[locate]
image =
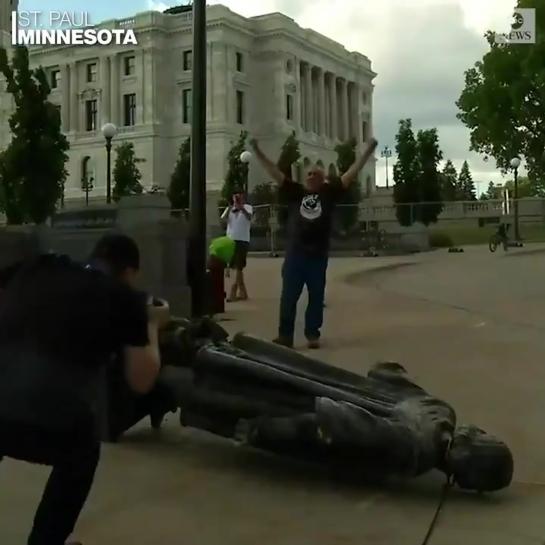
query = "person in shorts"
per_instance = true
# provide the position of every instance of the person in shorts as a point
(238, 217)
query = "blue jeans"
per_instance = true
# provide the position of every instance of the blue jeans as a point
(300, 270)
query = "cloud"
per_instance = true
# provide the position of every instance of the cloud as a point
(157, 5)
(419, 48)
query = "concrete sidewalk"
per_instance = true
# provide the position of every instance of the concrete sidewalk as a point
(444, 316)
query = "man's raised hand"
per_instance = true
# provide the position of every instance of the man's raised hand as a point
(372, 143)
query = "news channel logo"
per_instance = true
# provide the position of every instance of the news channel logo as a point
(523, 28)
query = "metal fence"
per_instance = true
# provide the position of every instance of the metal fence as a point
(370, 227)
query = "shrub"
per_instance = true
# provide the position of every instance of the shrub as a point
(440, 239)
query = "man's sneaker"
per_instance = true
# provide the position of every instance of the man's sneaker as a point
(313, 344)
(284, 341)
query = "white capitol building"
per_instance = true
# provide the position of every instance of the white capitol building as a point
(266, 75)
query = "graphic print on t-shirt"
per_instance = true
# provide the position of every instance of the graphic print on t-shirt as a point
(311, 207)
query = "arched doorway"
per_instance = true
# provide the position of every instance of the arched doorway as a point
(87, 176)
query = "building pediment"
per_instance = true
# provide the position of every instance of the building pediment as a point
(90, 94)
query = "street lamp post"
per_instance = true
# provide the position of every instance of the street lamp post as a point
(386, 153)
(245, 158)
(515, 164)
(109, 131)
(197, 218)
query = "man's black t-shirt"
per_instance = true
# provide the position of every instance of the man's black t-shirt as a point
(59, 325)
(310, 215)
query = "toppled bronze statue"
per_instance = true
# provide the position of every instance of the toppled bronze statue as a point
(275, 399)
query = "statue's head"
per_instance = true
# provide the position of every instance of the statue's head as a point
(478, 461)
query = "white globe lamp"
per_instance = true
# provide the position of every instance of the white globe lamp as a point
(515, 162)
(109, 130)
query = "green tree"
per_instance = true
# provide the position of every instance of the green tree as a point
(33, 169)
(525, 188)
(466, 184)
(126, 174)
(237, 173)
(429, 179)
(503, 102)
(182, 8)
(289, 155)
(262, 198)
(492, 193)
(179, 188)
(416, 177)
(348, 211)
(406, 173)
(449, 182)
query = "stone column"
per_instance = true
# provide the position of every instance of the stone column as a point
(74, 98)
(210, 82)
(321, 101)
(344, 110)
(309, 106)
(358, 112)
(105, 85)
(141, 100)
(148, 98)
(302, 96)
(114, 89)
(315, 101)
(298, 98)
(65, 99)
(334, 107)
(230, 103)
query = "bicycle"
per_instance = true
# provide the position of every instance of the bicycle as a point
(495, 241)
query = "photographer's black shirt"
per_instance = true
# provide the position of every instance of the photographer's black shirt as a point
(310, 216)
(59, 326)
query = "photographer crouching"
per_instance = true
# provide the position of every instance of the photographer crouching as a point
(60, 324)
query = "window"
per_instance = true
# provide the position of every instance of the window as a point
(91, 115)
(92, 72)
(289, 107)
(364, 130)
(58, 109)
(240, 107)
(188, 60)
(187, 105)
(240, 62)
(129, 104)
(55, 79)
(130, 66)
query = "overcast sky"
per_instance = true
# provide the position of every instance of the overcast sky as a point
(419, 48)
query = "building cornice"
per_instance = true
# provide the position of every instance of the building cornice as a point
(311, 48)
(220, 17)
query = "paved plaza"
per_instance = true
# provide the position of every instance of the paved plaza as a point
(469, 327)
